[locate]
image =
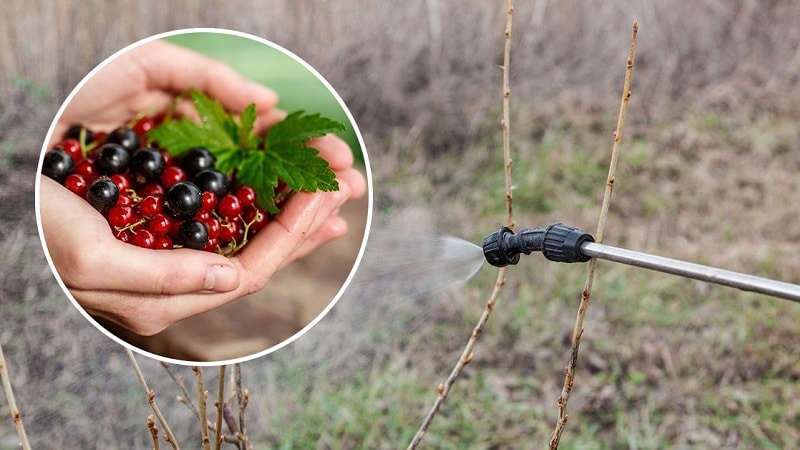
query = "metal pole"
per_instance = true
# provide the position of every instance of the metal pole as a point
(700, 272)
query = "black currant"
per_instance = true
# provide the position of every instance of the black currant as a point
(193, 234)
(125, 137)
(74, 132)
(183, 200)
(212, 180)
(196, 160)
(112, 159)
(102, 194)
(57, 165)
(147, 165)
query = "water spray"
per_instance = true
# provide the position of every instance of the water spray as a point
(563, 243)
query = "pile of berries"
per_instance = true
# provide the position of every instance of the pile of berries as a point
(151, 199)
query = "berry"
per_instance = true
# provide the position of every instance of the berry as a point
(120, 216)
(163, 243)
(57, 164)
(212, 180)
(72, 147)
(112, 159)
(146, 165)
(87, 169)
(150, 206)
(183, 200)
(74, 132)
(76, 183)
(256, 217)
(144, 239)
(196, 160)
(154, 189)
(123, 182)
(229, 207)
(102, 194)
(212, 224)
(209, 201)
(125, 137)
(193, 234)
(172, 175)
(143, 125)
(160, 224)
(246, 195)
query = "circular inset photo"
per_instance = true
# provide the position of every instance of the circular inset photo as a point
(204, 196)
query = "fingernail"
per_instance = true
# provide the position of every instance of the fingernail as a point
(221, 279)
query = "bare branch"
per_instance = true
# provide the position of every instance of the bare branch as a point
(220, 406)
(151, 398)
(12, 402)
(201, 400)
(577, 331)
(467, 354)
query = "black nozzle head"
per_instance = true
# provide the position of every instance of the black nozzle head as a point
(557, 242)
(497, 251)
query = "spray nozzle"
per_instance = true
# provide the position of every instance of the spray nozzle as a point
(557, 242)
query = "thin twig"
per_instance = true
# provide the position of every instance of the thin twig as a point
(219, 405)
(202, 394)
(242, 397)
(185, 397)
(467, 353)
(151, 398)
(466, 358)
(151, 425)
(12, 403)
(577, 331)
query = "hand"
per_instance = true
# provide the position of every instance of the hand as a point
(148, 290)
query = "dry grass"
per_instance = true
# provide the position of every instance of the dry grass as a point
(708, 174)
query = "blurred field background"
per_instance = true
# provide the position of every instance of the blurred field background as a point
(708, 173)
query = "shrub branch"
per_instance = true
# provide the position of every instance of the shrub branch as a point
(151, 398)
(467, 354)
(577, 331)
(12, 403)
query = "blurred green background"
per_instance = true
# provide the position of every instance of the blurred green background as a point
(298, 87)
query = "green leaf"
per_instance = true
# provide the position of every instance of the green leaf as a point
(285, 155)
(301, 168)
(178, 136)
(245, 136)
(256, 172)
(299, 127)
(213, 115)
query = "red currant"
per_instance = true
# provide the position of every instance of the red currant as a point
(124, 200)
(120, 216)
(143, 125)
(124, 236)
(150, 206)
(76, 183)
(156, 190)
(160, 224)
(229, 207)
(211, 245)
(229, 232)
(144, 239)
(123, 181)
(85, 168)
(209, 201)
(163, 243)
(256, 217)
(172, 175)
(246, 195)
(72, 147)
(213, 227)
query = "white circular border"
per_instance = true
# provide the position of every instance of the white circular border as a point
(369, 194)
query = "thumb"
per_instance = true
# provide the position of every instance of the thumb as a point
(123, 267)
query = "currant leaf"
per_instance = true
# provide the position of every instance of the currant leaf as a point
(300, 127)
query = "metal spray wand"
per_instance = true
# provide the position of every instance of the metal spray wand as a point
(563, 243)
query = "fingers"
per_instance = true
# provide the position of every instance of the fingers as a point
(302, 216)
(176, 69)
